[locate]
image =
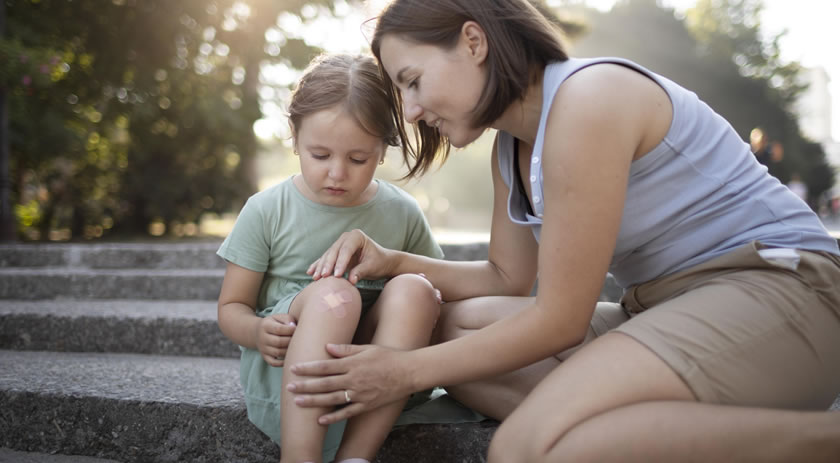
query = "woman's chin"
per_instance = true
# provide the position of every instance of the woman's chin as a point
(460, 140)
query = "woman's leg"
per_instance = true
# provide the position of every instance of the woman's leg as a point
(616, 400)
(497, 397)
(404, 317)
(713, 371)
(327, 311)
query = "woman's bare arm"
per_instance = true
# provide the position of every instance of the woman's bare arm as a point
(510, 269)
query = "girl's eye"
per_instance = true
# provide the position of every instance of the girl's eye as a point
(358, 161)
(320, 157)
(414, 83)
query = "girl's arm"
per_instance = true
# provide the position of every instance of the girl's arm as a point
(240, 323)
(600, 119)
(510, 269)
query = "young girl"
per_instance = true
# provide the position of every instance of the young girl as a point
(271, 305)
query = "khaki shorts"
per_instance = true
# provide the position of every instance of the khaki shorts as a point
(742, 330)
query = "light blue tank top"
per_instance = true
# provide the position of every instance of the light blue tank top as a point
(697, 195)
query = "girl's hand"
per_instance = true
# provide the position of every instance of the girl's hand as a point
(372, 376)
(273, 335)
(354, 250)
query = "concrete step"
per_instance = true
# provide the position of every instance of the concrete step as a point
(85, 283)
(32, 283)
(143, 271)
(119, 326)
(13, 456)
(198, 254)
(130, 407)
(153, 255)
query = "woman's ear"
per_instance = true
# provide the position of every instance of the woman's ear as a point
(473, 36)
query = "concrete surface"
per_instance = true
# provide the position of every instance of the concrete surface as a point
(128, 326)
(112, 351)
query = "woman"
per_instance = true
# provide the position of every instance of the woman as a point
(599, 165)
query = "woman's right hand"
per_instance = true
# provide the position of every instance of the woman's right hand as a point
(274, 333)
(357, 252)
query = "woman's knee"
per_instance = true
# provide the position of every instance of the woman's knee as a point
(455, 322)
(512, 442)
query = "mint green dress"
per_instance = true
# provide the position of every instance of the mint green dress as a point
(280, 232)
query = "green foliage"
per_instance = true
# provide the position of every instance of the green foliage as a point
(129, 112)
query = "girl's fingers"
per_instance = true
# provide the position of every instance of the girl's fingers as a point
(273, 361)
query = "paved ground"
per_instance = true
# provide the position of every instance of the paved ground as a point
(12, 456)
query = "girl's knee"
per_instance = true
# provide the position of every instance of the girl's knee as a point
(334, 297)
(417, 291)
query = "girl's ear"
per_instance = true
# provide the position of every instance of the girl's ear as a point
(474, 38)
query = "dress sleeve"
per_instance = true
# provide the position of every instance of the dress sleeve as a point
(248, 244)
(420, 239)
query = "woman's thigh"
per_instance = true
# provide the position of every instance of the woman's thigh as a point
(762, 337)
(498, 396)
(612, 371)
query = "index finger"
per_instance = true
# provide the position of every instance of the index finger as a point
(346, 252)
(317, 385)
(320, 368)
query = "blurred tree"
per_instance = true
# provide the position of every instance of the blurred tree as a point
(719, 52)
(127, 112)
(7, 221)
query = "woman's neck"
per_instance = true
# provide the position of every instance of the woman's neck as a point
(522, 118)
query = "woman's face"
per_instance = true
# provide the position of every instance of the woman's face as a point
(440, 87)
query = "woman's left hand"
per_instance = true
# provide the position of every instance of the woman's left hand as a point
(370, 376)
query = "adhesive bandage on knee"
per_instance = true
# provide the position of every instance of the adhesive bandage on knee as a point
(335, 301)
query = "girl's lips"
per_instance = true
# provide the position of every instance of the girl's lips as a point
(335, 191)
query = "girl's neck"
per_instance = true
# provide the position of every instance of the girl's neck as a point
(522, 118)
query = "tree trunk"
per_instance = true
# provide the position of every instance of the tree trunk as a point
(7, 216)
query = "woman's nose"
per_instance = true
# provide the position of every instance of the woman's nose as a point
(412, 110)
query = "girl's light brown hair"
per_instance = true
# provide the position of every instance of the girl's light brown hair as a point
(352, 81)
(521, 42)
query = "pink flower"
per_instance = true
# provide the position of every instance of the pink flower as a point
(45, 69)
(26, 80)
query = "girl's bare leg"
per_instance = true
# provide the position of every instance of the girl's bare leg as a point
(327, 311)
(615, 400)
(403, 318)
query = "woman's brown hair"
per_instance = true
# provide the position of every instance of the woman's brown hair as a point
(521, 42)
(353, 81)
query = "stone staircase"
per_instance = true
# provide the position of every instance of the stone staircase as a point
(112, 351)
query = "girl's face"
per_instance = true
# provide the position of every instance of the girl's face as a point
(440, 87)
(337, 159)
